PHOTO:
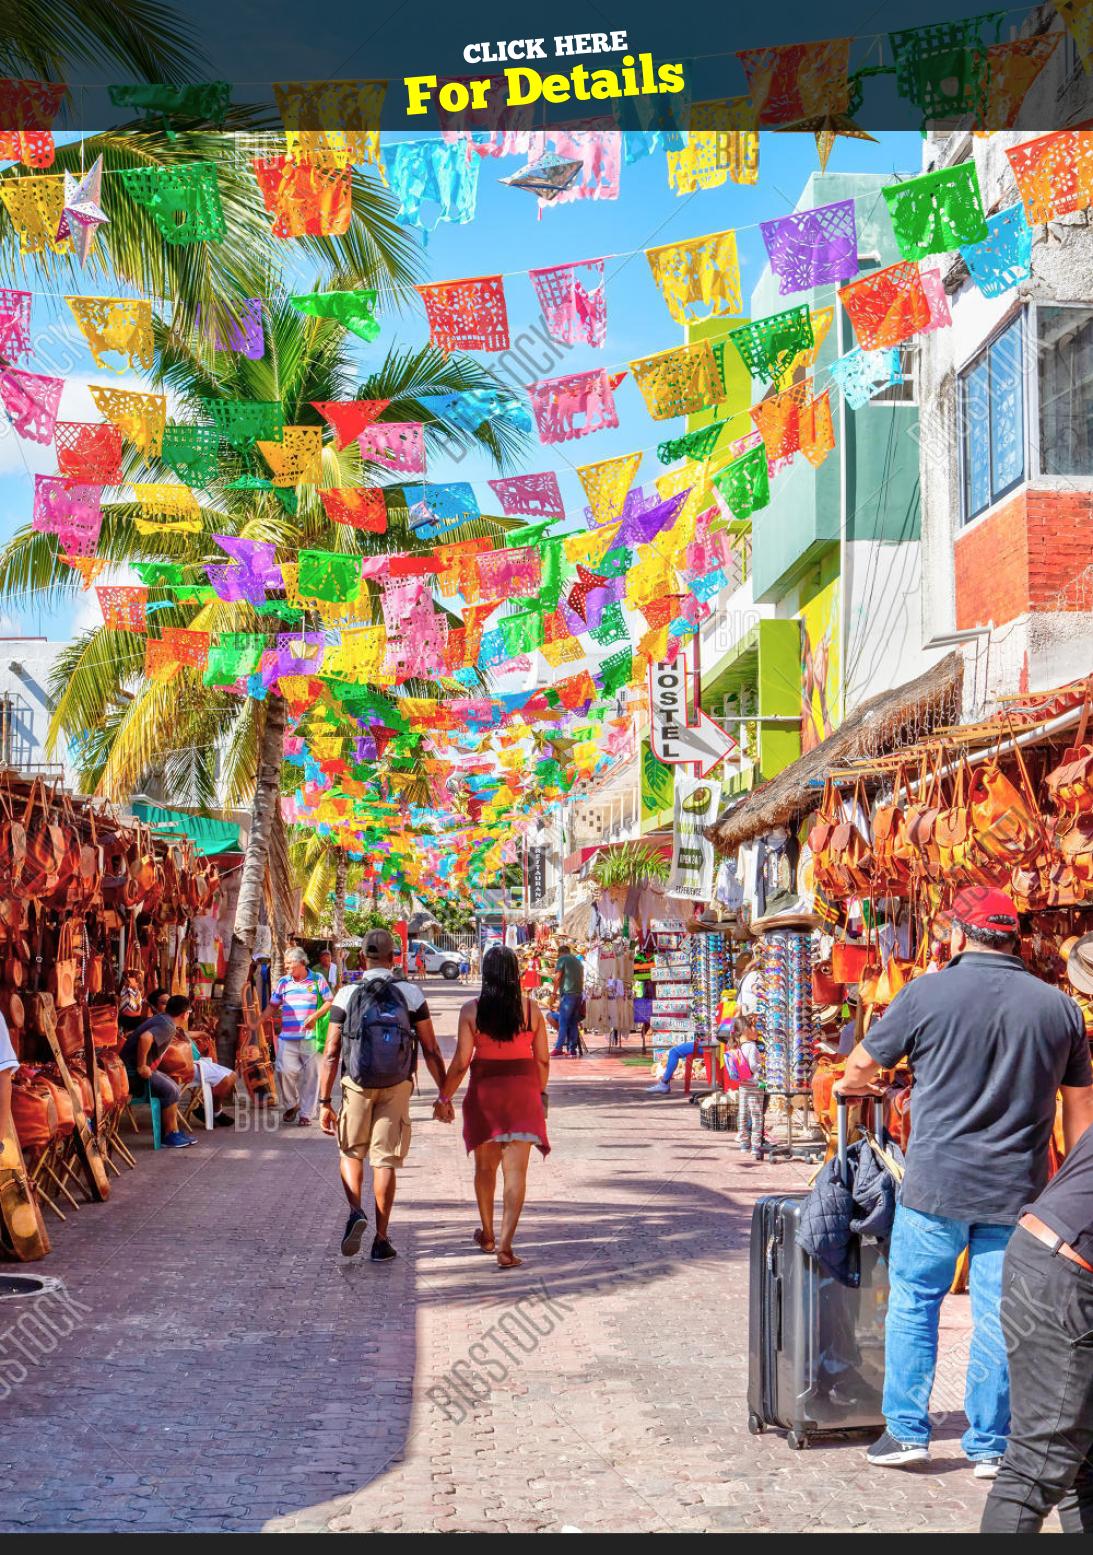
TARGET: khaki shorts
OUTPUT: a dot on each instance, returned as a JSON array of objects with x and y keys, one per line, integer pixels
[{"x": 375, "y": 1123}]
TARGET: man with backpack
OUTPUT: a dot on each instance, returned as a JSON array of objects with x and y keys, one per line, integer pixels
[{"x": 376, "y": 1025}]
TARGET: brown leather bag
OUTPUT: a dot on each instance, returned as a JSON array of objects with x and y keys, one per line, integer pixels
[
  {"x": 104, "y": 1024},
  {"x": 952, "y": 834},
  {"x": 66, "y": 1117},
  {"x": 119, "y": 1079},
  {"x": 819, "y": 841},
  {"x": 1070, "y": 784},
  {"x": 892, "y": 871},
  {"x": 1004, "y": 816},
  {"x": 44, "y": 848},
  {"x": 919, "y": 820},
  {"x": 851, "y": 855},
  {"x": 70, "y": 1032},
  {"x": 64, "y": 973},
  {"x": 33, "y": 1109}
]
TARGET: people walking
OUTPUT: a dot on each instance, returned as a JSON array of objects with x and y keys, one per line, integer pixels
[
  {"x": 503, "y": 1042},
  {"x": 989, "y": 1045},
  {"x": 569, "y": 991},
  {"x": 302, "y": 998},
  {"x": 376, "y": 1028}
]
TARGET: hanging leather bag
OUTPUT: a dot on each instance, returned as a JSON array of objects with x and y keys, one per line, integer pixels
[{"x": 1004, "y": 817}]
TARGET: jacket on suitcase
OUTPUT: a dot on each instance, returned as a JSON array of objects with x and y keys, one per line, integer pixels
[{"x": 816, "y": 1345}]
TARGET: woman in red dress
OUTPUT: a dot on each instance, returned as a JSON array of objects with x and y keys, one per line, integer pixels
[{"x": 503, "y": 1042}]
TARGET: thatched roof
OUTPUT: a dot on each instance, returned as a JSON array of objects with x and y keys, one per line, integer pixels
[{"x": 885, "y": 723}]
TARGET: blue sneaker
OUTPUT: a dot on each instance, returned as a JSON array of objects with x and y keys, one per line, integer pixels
[
  {"x": 354, "y": 1233},
  {"x": 177, "y": 1141}
]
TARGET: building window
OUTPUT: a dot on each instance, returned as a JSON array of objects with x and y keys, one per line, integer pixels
[
  {"x": 903, "y": 391},
  {"x": 992, "y": 415},
  {"x": 1065, "y": 340}
]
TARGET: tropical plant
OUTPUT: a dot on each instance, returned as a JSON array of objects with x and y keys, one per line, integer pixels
[
  {"x": 126, "y": 726},
  {"x": 45, "y": 38},
  {"x": 634, "y": 864}
]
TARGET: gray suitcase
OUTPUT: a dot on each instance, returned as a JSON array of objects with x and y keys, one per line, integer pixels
[{"x": 815, "y": 1346}]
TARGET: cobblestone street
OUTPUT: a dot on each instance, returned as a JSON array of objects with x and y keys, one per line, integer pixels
[{"x": 232, "y": 1372}]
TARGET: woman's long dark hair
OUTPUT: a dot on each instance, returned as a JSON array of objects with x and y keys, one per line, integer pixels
[{"x": 501, "y": 1003}]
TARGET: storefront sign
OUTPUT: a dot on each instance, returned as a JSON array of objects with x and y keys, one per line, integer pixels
[
  {"x": 696, "y": 805},
  {"x": 537, "y": 873}
]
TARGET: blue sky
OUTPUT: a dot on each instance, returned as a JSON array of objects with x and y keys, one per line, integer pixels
[{"x": 507, "y": 235}]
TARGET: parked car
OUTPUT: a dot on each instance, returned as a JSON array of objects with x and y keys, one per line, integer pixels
[{"x": 444, "y": 962}]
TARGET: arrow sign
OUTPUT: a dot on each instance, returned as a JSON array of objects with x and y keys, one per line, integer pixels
[
  {"x": 674, "y": 740},
  {"x": 704, "y": 743}
]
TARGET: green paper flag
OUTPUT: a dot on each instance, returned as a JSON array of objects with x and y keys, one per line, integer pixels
[
  {"x": 192, "y": 593},
  {"x": 353, "y": 310},
  {"x": 242, "y": 422},
  {"x": 745, "y": 484},
  {"x": 554, "y": 571},
  {"x": 612, "y": 627},
  {"x": 522, "y": 633},
  {"x": 695, "y": 445},
  {"x": 191, "y": 453},
  {"x": 943, "y": 67},
  {"x": 236, "y": 655},
  {"x": 152, "y": 573},
  {"x": 938, "y": 212},
  {"x": 616, "y": 671},
  {"x": 329, "y": 575},
  {"x": 767, "y": 346},
  {"x": 183, "y": 201},
  {"x": 277, "y": 607},
  {"x": 615, "y": 564}
]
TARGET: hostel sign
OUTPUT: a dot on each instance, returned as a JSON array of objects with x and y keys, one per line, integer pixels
[{"x": 673, "y": 737}]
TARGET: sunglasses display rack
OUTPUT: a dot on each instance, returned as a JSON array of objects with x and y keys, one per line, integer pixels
[
  {"x": 711, "y": 974},
  {"x": 787, "y": 1016}
]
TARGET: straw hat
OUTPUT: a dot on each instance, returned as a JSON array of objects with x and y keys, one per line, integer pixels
[{"x": 1079, "y": 963}]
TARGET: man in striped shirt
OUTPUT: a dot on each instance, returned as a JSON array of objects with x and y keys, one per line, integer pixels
[{"x": 302, "y": 998}]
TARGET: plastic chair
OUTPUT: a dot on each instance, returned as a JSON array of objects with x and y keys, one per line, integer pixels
[
  {"x": 139, "y": 1091},
  {"x": 197, "y": 1086}
]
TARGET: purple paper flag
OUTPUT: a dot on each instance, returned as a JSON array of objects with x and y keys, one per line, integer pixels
[{"x": 813, "y": 248}]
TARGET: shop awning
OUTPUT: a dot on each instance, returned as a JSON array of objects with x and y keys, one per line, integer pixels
[
  {"x": 884, "y": 723},
  {"x": 208, "y": 835}
]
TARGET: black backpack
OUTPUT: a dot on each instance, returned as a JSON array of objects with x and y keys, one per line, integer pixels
[{"x": 379, "y": 1042}]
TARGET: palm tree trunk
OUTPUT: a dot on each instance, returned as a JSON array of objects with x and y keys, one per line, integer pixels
[
  {"x": 267, "y": 794},
  {"x": 340, "y": 878}
]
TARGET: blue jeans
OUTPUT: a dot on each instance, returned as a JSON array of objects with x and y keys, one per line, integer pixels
[
  {"x": 921, "y": 1265},
  {"x": 682, "y": 1050},
  {"x": 568, "y": 1005}
]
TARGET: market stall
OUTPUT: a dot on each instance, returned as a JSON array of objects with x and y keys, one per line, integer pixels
[
  {"x": 93, "y": 911},
  {"x": 1005, "y": 802}
]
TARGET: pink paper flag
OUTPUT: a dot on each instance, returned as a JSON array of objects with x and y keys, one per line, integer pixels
[
  {"x": 69, "y": 510},
  {"x": 934, "y": 287},
  {"x": 573, "y": 301},
  {"x": 532, "y": 496},
  {"x": 575, "y": 405},
  {"x": 31, "y": 401},
  {"x": 400, "y": 445}
]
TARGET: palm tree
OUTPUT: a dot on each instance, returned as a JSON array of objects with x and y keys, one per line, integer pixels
[
  {"x": 126, "y": 727},
  {"x": 44, "y": 40}
]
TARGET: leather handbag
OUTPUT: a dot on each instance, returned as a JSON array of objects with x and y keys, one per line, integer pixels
[
  {"x": 119, "y": 1078},
  {"x": 33, "y": 1109},
  {"x": 952, "y": 834},
  {"x": 103, "y": 1019},
  {"x": 65, "y": 970},
  {"x": 177, "y": 1062},
  {"x": 1070, "y": 784},
  {"x": 819, "y": 842},
  {"x": 848, "y": 962},
  {"x": 70, "y": 1031},
  {"x": 920, "y": 819},
  {"x": 891, "y": 859},
  {"x": 1004, "y": 817},
  {"x": 62, "y": 1101},
  {"x": 851, "y": 855}
]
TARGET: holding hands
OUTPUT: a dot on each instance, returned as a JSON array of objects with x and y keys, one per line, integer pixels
[{"x": 443, "y": 1111}]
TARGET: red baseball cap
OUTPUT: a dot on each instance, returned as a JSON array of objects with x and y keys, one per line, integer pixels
[{"x": 980, "y": 907}]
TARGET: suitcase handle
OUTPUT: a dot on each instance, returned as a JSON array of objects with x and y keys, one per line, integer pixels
[{"x": 842, "y": 1127}]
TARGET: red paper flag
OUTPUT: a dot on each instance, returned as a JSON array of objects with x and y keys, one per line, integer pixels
[{"x": 349, "y": 417}]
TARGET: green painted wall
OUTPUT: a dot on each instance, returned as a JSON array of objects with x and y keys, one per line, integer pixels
[{"x": 803, "y": 520}]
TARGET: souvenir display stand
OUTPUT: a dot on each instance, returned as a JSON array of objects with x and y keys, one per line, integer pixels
[{"x": 89, "y": 907}]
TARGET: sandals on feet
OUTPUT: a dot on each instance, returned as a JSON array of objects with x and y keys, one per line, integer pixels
[
  {"x": 508, "y": 1261},
  {"x": 485, "y": 1244}
]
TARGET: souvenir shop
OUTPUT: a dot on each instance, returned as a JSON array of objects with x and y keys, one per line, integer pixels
[
  {"x": 94, "y": 913},
  {"x": 882, "y": 848}
]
